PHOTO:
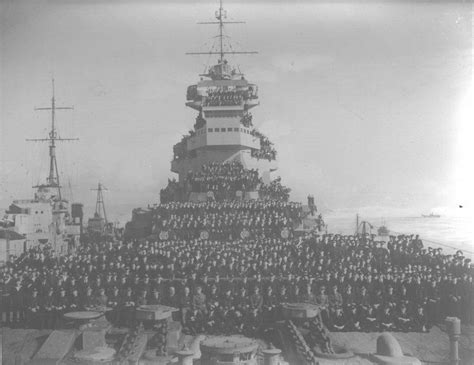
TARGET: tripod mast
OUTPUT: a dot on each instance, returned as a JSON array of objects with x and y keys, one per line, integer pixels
[
  {"x": 100, "y": 204},
  {"x": 53, "y": 177}
]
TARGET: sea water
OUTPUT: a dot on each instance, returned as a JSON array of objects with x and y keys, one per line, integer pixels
[{"x": 450, "y": 232}]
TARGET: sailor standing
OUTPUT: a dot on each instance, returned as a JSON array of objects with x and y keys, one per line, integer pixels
[{"x": 33, "y": 310}]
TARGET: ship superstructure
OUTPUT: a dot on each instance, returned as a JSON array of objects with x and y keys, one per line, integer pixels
[
  {"x": 224, "y": 129},
  {"x": 46, "y": 218},
  {"x": 224, "y": 159}
]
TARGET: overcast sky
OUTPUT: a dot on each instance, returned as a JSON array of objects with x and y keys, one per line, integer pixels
[{"x": 366, "y": 102}]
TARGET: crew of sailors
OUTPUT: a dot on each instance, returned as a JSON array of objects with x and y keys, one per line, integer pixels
[
  {"x": 180, "y": 149},
  {"x": 266, "y": 151},
  {"x": 225, "y": 181},
  {"x": 223, "y": 178},
  {"x": 221, "y": 97},
  {"x": 275, "y": 191},
  {"x": 200, "y": 122},
  {"x": 227, "y": 219},
  {"x": 238, "y": 285},
  {"x": 247, "y": 120},
  {"x": 171, "y": 192}
]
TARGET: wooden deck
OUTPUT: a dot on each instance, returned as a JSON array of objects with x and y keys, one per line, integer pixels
[
  {"x": 432, "y": 347},
  {"x": 19, "y": 346}
]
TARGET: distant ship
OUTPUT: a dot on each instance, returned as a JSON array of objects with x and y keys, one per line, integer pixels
[
  {"x": 98, "y": 225},
  {"x": 431, "y": 215},
  {"x": 383, "y": 231}
]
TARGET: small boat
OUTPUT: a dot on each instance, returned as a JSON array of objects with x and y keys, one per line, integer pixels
[
  {"x": 383, "y": 231},
  {"x": 431, "y": 215}
]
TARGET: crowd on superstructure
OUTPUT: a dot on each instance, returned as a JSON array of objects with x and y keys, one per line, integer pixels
[
  {"x": 219, "y": 177},
  {"x": 266, "y": 151},
  {"x": 225, "y": 181},
  {"x": 220, "y": 97},
  {"x": 228, "y": 219}
]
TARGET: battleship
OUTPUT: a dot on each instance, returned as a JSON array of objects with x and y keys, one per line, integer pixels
[
  {"x": 223, "y": 134},
  {"x": 226, "y": 269},
  {"x": 46, "y": 219}
]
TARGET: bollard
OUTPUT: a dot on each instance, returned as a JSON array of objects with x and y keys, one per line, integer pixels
[
  {"x": 389, "y": 352},
  {"x": 185, "y": 357},
  {"x": 453, "y": 327}
]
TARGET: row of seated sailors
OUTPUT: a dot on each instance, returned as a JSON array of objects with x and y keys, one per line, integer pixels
[
  {"x": 225, "y": 233},
  {"x": 240, "y": 214},
  {"x": 198, "y": 310},
  {"x": 200, "y": 208},
  {"x": 230, "y": 185}
]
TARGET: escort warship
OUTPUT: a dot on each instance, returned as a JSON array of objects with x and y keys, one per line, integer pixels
[{"x": 98, "y": 226}]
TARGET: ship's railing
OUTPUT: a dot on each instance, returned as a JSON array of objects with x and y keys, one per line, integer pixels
[{"x": 24, "y": 201}]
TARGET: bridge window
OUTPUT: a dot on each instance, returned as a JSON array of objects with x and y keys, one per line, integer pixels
[
  {"x": 236, "y": 129},
  {"x": 229, "y": 129},
  {"x": 209, "y": 130}
]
